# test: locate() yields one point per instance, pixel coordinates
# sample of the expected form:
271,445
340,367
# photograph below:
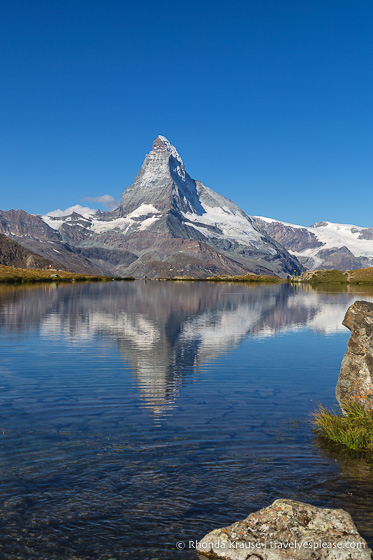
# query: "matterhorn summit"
167,224
162,182
162,145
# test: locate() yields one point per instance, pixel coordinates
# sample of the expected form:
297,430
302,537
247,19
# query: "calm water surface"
135,415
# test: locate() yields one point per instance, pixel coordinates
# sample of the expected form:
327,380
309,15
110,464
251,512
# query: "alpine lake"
135,415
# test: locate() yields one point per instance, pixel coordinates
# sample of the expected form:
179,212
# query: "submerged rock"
355,380
288,530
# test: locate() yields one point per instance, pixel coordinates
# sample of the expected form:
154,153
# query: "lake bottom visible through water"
137,415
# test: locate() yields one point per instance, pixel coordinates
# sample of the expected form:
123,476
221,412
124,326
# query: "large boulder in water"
355,382
288,530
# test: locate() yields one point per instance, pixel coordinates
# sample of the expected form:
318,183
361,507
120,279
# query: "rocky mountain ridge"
13,254
324,245
32,233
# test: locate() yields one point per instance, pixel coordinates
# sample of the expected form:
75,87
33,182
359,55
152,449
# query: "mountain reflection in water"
134,415
165,329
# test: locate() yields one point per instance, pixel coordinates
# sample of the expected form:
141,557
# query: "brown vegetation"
363,276
12,275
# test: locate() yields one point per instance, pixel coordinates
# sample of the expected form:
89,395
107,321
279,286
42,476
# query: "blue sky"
268,102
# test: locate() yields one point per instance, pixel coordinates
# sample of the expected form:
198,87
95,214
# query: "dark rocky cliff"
13,254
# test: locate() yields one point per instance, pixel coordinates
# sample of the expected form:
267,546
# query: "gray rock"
366,233
292,238
291,530
355,380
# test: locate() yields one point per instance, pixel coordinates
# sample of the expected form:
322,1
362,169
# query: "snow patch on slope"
51,218
143,210
273,221
343,235
144,216
53,223
233,225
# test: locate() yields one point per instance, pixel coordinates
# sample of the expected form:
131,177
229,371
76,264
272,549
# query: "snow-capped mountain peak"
169,224
324,244
163,146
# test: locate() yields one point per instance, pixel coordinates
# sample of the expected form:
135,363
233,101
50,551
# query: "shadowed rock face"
19,223
291,530
13,254
294,239
366,233
355,380
35,236
341,259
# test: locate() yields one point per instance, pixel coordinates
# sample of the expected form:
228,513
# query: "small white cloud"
107,200
82,210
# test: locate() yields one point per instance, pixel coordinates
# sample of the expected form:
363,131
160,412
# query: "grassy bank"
11,275
362,276
354,429
246,278
220,278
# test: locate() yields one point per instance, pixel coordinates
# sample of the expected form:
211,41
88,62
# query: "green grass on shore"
353,429
360,276
363,276
246,278
221,278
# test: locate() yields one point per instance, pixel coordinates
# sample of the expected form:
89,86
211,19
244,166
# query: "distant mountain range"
168,224
324,245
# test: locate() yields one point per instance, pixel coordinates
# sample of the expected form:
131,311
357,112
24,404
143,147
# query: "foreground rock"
291,530
355,382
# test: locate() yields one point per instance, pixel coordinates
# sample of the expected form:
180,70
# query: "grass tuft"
354,428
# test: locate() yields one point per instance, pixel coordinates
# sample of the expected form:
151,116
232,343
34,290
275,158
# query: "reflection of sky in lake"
125,400
166,330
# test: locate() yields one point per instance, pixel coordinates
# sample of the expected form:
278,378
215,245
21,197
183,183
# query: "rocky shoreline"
362,276
355,382
295,530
